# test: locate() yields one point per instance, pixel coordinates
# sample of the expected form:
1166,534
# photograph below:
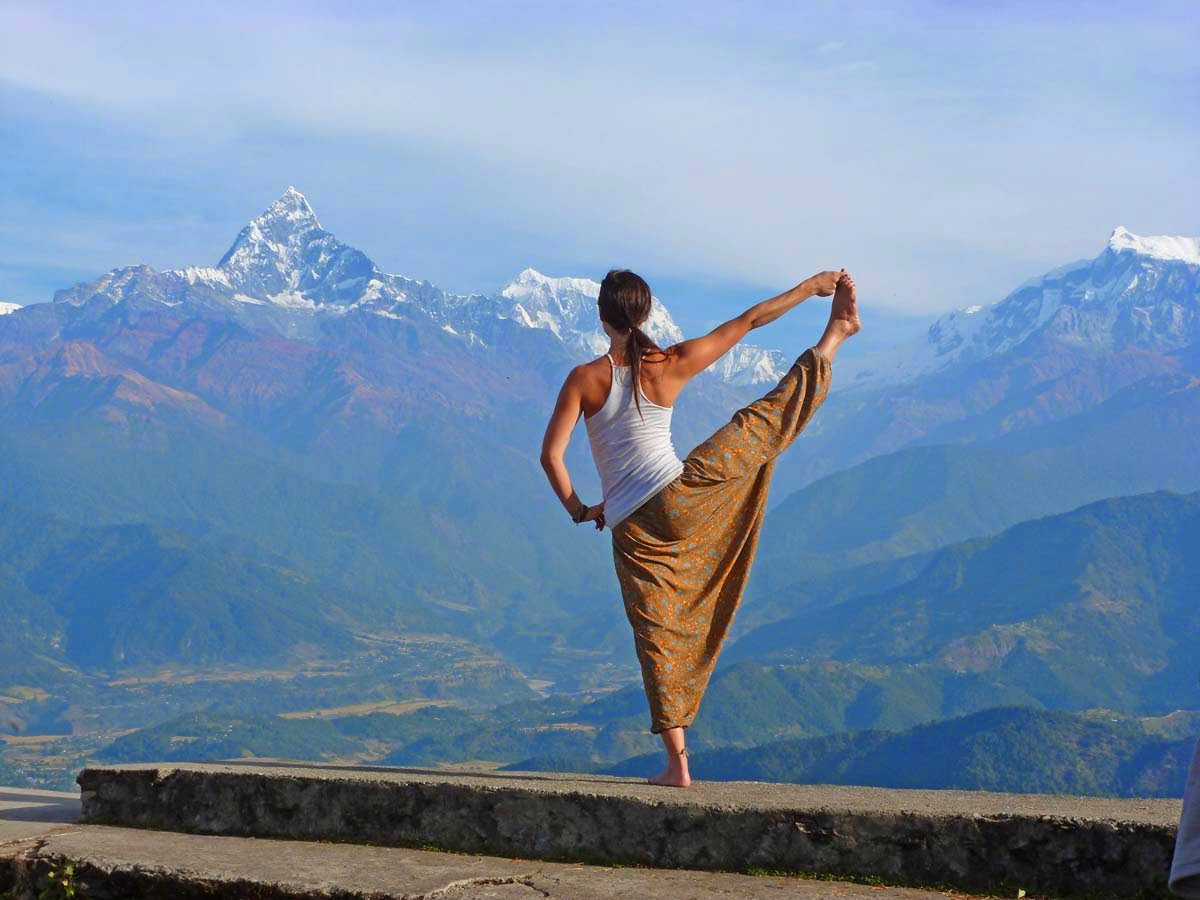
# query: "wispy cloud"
946,153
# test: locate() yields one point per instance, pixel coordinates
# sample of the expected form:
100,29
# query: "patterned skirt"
684,556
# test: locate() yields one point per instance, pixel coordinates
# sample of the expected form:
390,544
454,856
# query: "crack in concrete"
526,880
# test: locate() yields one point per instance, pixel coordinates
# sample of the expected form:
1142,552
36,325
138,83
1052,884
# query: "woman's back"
632,448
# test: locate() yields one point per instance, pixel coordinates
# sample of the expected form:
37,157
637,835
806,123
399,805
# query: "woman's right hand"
825,283
595,514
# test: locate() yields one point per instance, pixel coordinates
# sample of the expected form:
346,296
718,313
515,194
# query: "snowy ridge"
285,272
6,308
202,275
284,268
1159,246
746,364
567,308
1140,291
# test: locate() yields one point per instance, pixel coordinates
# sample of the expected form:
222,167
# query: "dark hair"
624,302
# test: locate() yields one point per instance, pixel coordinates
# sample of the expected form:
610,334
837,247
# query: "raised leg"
764,429
761,431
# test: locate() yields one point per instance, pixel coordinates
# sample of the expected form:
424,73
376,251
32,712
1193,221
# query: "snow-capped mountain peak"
552,303
1158,246
6,308
1140,291
530,277
294,205
285,257
567,307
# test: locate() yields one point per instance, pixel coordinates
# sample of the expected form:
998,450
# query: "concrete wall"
972,841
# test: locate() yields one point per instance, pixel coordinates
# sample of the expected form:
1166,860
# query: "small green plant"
62,884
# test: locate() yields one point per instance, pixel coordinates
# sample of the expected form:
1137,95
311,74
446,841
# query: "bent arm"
695,355
567,411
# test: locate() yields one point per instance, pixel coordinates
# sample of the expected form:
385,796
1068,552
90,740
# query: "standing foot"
671,779
676,773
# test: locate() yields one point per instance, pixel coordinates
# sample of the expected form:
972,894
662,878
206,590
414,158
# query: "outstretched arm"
567,411
695,355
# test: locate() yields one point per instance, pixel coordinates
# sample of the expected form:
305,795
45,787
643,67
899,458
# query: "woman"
684,532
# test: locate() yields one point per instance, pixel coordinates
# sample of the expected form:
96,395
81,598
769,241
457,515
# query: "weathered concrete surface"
28,816
969,840
27,813
112,863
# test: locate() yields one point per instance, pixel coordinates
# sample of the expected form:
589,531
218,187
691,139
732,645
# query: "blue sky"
942,152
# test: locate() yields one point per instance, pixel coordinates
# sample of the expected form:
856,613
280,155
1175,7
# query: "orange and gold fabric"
684,556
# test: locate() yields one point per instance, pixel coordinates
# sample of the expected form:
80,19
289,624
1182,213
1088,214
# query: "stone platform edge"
977,842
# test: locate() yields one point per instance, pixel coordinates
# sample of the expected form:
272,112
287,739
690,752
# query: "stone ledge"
153,865
973,841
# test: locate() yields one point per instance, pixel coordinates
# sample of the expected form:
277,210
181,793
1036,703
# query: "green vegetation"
904,504
1004,749
202,736
1095,607
428,736
62,884
138,596
9,775
955,678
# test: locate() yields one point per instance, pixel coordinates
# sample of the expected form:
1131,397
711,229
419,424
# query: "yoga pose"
684,532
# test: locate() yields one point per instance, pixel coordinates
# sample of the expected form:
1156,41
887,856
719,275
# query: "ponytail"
636,344
625,302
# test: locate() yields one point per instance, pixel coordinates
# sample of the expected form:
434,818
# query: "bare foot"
671,777
844,314
676,773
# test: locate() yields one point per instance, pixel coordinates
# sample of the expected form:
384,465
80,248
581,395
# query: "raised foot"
844,314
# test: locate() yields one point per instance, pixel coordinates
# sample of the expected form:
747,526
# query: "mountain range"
279,458
1139,292
285,273
1053,350
1091,608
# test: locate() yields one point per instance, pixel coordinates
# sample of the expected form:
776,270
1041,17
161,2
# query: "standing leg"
676,774
684,557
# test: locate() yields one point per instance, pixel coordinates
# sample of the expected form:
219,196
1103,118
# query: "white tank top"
634,454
